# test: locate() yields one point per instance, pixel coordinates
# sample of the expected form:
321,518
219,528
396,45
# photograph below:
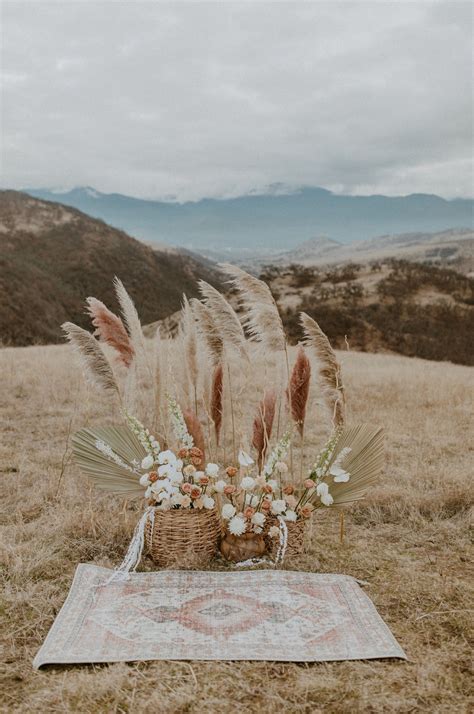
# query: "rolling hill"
243,227
53,256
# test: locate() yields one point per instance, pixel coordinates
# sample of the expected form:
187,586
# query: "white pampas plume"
95,364
263,319
225,318
129,314
329,368
208,331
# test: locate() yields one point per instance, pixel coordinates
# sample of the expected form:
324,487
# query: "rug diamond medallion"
248,615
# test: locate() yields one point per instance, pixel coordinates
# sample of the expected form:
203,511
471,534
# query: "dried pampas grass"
225,318
194,428
329,368
94,362
298,389
110,329
263,425
217,391
208,330
263,320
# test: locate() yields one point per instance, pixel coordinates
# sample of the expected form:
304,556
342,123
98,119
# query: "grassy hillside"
411,308
409,541
52,256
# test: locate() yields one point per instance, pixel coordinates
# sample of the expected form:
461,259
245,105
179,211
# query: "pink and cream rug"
273,615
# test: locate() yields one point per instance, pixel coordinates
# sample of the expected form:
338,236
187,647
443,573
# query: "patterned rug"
185,615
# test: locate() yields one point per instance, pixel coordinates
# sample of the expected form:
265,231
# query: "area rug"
185,615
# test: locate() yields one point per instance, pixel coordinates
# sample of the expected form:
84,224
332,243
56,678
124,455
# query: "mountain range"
244,227
53,256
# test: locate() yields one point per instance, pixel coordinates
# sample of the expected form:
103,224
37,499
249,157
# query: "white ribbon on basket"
135,549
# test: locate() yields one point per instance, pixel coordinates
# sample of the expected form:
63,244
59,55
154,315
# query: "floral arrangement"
226,387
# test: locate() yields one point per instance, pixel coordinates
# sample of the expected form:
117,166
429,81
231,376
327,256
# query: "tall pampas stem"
216,401
329,368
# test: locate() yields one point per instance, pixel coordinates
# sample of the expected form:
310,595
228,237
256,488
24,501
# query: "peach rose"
309,483
249,511
266,505
288,490
231,471
306,511
152,476
204,480
197,453
230,489
182,454
195,492
186,488
267,488
196,461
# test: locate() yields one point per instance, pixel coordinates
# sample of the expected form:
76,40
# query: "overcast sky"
201,99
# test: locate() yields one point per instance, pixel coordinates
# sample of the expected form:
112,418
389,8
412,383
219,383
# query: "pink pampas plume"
194,428
263,424
217,390
298,390
110,329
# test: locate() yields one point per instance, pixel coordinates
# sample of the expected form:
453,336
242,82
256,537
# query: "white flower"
166,457
290,516
157,486
178,465
278,507
237,525
144,480
175,476
154,443
228,511
176,499
322,490
340,476
219,486
212,470
251,500
189,470
273,484
165,470
148,492
258,519
257,529
274,532
281,467
147,462
208,502
244,459
248,483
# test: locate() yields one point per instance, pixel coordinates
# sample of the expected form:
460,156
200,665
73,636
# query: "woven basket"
296,537
183,538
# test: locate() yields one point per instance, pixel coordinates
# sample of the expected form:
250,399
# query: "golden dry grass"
410,541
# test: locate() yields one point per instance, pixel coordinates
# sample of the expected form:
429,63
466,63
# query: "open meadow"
410,540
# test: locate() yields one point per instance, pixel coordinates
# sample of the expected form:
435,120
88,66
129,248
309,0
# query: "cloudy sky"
198,99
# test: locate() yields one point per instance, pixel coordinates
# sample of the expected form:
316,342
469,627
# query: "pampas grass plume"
110,329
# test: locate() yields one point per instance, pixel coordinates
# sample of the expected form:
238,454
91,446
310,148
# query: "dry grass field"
409,541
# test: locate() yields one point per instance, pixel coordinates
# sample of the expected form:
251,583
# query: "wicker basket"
296,537
183,538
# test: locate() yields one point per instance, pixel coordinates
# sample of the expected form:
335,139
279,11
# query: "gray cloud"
212,99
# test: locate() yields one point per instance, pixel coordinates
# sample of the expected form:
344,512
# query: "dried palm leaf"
364,462
94,362
111,458
110,329
329,368
225,318
263,320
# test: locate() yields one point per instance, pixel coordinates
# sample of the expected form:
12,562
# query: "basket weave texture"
296,537
183,538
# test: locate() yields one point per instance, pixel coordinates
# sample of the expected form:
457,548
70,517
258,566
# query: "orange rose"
230,489
153,476
231,471
182,454
288,490
249,511
266,505
197,453
267,488
195,492
204,480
